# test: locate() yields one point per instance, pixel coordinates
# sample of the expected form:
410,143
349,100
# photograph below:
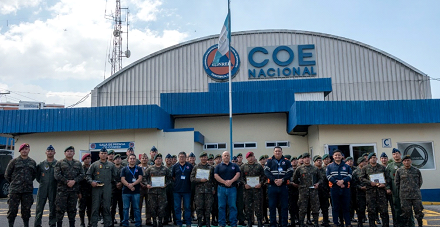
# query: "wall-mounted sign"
111,145
422,153
386,143
282,61
220,71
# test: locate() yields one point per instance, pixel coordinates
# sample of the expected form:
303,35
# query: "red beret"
250,153
85,156
23,146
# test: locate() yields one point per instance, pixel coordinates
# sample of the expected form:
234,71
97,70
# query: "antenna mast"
115,57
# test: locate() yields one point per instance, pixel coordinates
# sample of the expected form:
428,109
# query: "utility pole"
115,58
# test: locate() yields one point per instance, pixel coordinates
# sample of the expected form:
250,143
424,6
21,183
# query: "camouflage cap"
325,156
316,157
406,157
203,154
300,156
210,156
348,158
111,152
360,159
294,158
288,156
306,155
261,158
371,155
239,154
69,148
218,156
158,155
117,156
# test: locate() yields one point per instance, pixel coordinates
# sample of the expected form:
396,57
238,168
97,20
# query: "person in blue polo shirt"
131,177
181,173
227,175
339,175
278,170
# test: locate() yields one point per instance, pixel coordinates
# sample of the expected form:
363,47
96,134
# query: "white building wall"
246,128
362,134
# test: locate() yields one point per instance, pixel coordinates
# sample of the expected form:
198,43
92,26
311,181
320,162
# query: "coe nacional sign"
281,61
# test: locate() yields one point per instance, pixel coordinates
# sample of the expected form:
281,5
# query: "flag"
223,41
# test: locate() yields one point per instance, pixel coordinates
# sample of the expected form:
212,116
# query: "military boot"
26,223
208,222
154,222
260,223
60,224
249,222
160,223
81,219
372,222
72,223
199,221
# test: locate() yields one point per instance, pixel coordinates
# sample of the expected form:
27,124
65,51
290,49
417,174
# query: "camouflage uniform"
157,197
144,196
293,202
307,176
324,195
204,192
46,190
170,215
117,196
396,208
20,173
85,203
360,194
67,197
408,182
105,172
376,197
253,196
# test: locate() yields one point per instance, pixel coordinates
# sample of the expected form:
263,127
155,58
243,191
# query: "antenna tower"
115,57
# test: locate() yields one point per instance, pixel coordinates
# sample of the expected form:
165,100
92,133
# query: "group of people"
219,191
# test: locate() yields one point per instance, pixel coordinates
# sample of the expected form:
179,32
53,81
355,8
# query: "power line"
80,101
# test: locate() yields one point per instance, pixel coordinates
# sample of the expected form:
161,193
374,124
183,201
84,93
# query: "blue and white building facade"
304,91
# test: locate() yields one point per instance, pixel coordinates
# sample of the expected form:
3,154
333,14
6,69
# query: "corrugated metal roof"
304,113
84,119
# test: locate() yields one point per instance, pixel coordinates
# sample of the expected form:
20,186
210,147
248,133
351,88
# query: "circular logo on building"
217,68
92,146
418,154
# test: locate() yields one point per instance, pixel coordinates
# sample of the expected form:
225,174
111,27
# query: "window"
272,144
243,145
214,146
353,150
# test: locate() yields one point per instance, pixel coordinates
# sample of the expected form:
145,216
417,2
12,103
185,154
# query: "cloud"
67,51
11,6
146,10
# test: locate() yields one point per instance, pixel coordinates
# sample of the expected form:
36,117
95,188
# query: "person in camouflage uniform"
169,212
408,181
323,191
129,151
68,173
360,191
145,163
157,196
253,195
376,193
204,188
117,191
293,196
85,202
20,173
47,189
396,206
308,178
265,206
101,175
214,210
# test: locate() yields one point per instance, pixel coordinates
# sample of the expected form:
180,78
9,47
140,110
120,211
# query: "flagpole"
230,83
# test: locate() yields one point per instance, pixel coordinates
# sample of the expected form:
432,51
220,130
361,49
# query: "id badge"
280,169
182,177
134,180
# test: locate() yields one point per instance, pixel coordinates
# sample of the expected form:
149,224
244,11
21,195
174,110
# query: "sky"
56,51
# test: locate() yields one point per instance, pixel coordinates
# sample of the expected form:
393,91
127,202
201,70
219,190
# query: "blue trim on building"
84,119
178,130
304,113
430,195
199,138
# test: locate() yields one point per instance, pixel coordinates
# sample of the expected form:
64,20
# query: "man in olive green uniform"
214,213
253,193
396,206
117,191
409,181
204,188
157,196
169,212
262,160
68,173
376,191
20,173
85,202
323,190
47,189
309,179
293,196
101,175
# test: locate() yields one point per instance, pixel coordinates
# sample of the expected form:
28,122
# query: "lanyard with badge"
182,177
279,165
133,173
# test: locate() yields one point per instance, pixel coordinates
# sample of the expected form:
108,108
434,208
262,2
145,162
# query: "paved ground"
432,216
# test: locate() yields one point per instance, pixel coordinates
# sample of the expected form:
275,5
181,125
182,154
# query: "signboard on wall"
422,153
111,145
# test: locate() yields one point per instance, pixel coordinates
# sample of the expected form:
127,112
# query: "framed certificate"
202,174
253,181
157,182
377,178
